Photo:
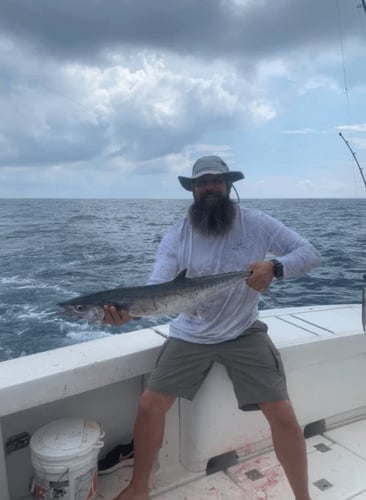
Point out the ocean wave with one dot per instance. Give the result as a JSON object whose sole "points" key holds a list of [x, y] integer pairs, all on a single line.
{"points": [[84, 336], [61, 248]]}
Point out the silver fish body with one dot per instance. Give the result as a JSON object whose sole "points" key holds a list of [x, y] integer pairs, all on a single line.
{"points": [[173, 297]]}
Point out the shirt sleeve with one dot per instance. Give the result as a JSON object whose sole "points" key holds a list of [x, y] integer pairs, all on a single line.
{"points": [[166, 265], [297, 255]]}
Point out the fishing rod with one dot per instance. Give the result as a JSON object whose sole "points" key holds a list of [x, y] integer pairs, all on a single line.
{"points": [[363, 5], [354, 154]]}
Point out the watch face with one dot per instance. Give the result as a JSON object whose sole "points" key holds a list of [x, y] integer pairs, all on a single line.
{"points": [[277, 269]]}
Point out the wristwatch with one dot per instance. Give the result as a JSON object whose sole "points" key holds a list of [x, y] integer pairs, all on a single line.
{"points": [[277, 269]]}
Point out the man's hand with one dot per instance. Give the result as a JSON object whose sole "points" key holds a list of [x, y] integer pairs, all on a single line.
{"points": [[115, 317], [262, 275]]}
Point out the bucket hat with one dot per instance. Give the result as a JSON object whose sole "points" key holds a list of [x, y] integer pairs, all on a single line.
{"points": [[209, 165]]}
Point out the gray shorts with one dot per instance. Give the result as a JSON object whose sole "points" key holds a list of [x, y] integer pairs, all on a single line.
{"points": [[251, 360]]}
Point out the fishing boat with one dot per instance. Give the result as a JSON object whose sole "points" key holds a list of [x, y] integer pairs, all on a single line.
{"points": [[211, 450]]}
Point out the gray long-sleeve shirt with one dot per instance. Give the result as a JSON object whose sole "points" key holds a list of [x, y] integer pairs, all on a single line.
{"points": [[253, 235]]}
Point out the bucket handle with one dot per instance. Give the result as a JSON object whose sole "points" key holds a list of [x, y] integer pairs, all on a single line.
{"points": [[98, 444]]}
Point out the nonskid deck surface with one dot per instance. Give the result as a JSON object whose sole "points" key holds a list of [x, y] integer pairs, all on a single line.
{"points": [[337, 471]]}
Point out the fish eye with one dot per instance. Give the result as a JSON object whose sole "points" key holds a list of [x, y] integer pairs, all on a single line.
{"points": [[78, 307]]}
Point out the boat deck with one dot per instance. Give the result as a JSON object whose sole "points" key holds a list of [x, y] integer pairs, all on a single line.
{"points": [[337, 471], [324, 352]]}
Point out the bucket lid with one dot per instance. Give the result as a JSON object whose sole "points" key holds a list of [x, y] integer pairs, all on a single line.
{"points": [[65, 438]]}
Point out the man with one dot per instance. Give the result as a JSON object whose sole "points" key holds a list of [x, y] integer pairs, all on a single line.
{"points": [[218, 236]]}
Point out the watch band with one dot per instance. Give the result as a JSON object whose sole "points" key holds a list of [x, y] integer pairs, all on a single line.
{"points": [[277, 269]]}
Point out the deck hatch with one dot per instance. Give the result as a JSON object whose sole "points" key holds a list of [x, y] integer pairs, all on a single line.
{"points": [[323, 448], [323, 484], [254, 474]]}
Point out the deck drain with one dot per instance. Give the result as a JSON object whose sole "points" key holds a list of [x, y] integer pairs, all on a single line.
{"points": [[322, 447], [323, 484], [254, 474]]}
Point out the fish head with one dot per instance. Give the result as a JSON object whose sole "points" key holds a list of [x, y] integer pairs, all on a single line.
{"points": [[83, 311]]}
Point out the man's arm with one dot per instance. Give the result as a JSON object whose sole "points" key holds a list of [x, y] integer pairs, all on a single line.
{"points": [[295, 254]]}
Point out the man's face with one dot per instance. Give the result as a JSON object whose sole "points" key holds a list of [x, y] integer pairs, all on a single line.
{"points": [[212, 213], [210, 188]]}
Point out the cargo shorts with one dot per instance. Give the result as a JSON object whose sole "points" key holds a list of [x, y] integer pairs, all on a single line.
{"points": [[251, 360]]}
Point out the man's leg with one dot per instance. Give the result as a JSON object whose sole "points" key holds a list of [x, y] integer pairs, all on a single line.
{"points": [[148, 436], [289, 445]]}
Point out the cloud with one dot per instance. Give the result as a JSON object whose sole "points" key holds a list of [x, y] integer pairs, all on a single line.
{"points": [[74, 112], [214, 28], [47, 112], [306, 131], [262, 111], [295, 186], [136, 87], [357, 127], [319, 82]]}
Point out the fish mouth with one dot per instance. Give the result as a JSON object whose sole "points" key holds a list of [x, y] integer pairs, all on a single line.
{"points": [[76, 311], [68, 311]]}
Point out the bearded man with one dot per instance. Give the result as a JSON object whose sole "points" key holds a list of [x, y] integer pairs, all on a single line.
{"points": [[219, 236]]}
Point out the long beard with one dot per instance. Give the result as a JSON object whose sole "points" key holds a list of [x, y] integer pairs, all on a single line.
{"points": [[212, 220]]}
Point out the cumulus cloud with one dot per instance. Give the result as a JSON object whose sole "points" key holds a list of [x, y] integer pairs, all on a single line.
{"points": [[74, 112]]}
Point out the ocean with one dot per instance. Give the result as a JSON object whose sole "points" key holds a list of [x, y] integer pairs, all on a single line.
{"points": [[53, 249]]}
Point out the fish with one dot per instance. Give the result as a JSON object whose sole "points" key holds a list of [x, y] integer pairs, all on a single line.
{"points": [[363, 313], [182, 294]]}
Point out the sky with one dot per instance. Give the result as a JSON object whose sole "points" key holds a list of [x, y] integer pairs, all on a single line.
{"points": [[116, 98]]}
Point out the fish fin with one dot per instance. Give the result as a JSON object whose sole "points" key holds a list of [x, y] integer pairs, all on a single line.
{"points": [[181, 276]]}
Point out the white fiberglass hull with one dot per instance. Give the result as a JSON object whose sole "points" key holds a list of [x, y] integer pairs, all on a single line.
{"points": [[324, 352]]}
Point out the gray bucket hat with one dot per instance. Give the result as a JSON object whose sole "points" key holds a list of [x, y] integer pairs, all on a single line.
{"points": [[209, 165]]}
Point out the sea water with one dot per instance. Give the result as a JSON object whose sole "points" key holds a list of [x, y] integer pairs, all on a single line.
{"points": [[54, 249]]}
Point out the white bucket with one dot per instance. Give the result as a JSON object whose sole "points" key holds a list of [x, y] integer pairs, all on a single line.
{"points": [[64, 456]]}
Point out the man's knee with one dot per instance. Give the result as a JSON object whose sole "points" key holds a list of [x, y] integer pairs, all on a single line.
{"points": [[153, 403], [280, 413]]}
